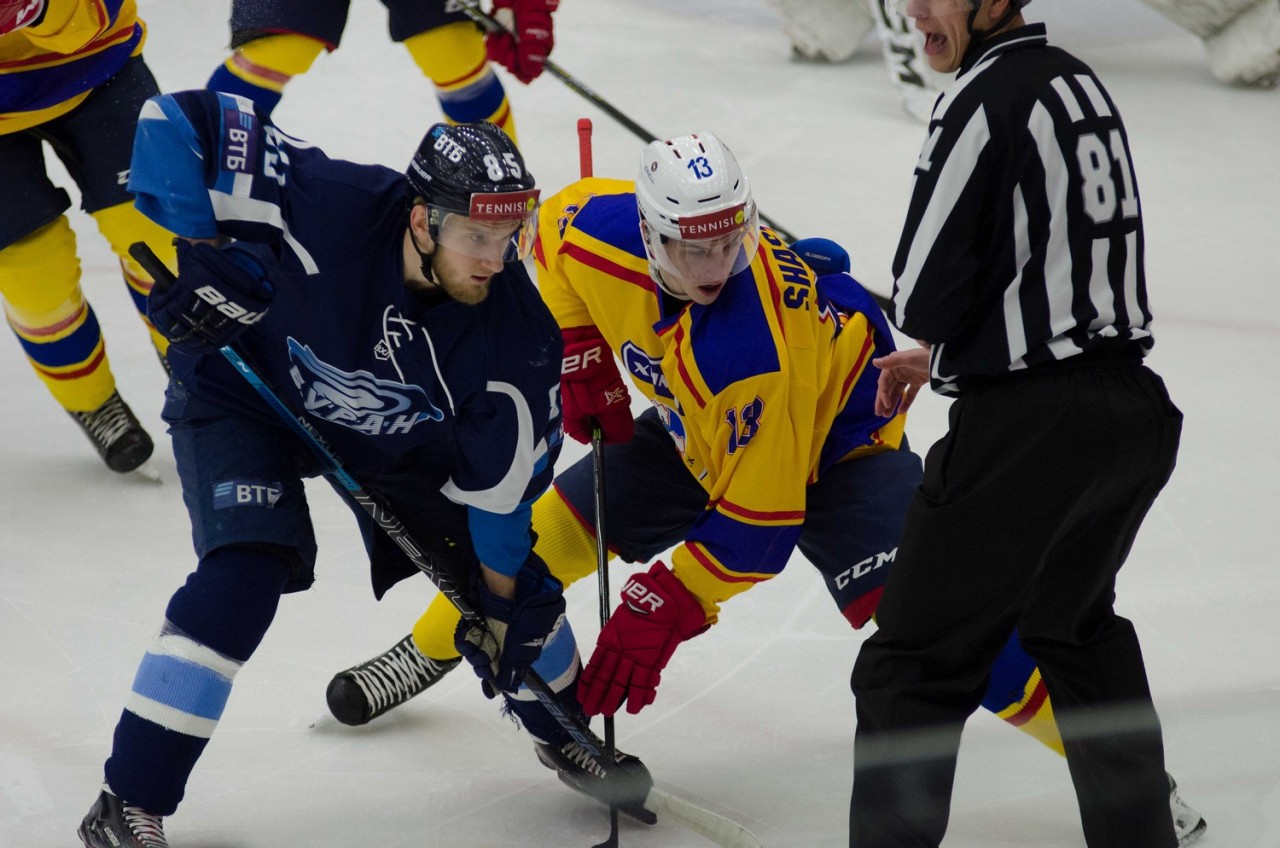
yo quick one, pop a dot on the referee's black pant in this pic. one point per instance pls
(1028, 508)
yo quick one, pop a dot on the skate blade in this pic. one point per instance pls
(148, 472)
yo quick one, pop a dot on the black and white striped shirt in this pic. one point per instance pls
(1023, 241)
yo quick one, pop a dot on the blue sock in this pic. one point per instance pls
(212, 625)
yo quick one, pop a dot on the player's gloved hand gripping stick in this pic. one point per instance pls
(717, 828)
(369, 501)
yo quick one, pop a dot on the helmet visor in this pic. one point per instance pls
(698, 259)
(931, 8)
(498, 226)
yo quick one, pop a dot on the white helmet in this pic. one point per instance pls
(699, 221)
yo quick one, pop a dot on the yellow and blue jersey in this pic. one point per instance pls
(49, 68)
(761, 391)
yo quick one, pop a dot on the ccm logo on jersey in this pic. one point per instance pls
(862, 569)
(638, 597)
(581, 361)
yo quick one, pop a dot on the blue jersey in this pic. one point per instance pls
(466, 396)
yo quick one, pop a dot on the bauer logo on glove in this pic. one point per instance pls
(640, 599)
(218, 294)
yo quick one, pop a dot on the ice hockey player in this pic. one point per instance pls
(75, 78)
(762, 437)
(389, 311)
(276, 40)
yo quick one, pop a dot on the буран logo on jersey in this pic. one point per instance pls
(358, 399)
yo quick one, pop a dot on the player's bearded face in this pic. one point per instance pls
(468, 255)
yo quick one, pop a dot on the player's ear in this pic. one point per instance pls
(421, 229)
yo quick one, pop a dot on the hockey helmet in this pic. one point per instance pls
(698, 218)
(16, 14)
(478, 193)
(932, 8)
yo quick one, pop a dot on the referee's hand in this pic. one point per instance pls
(902, 373)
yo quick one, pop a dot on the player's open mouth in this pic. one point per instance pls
(934, 42)
(711, 290)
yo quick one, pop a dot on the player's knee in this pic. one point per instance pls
(40, 274)
(449, 53)
(229, 601)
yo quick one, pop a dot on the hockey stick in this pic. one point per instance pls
(376, 508)
(682, 812)
(585, 169)
(720, 830)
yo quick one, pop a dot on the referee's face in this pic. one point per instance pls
(945, 24)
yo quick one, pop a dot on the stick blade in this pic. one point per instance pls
(720, 830)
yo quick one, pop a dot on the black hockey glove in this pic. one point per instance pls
(517, 628)
(219, 293)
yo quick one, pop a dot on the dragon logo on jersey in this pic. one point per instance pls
(358, 399)
(645, 369)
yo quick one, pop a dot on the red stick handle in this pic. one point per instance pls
(584, 147)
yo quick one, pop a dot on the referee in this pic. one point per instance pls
(1020, 270)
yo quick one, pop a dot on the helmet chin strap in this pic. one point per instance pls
(425, 259)
(977, 36)
(656, 273)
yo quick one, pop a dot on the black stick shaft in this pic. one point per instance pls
(376, 508)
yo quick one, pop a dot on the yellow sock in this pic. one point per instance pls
(123, 225)
(1033, 715)
(453, 58)
(568, 548)
(271, 61)
(58, 331)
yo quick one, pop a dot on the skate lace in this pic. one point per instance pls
(397, 675)
(582, 758)
(106, 423)
(147, 829)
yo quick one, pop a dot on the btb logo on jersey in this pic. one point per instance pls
(233, 493)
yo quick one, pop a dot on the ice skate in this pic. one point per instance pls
(362, 693)
(629, 782)
(117, 434)
(1188, 824)
(114, 823)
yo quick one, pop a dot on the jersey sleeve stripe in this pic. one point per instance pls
(760, 516)
(607, 266)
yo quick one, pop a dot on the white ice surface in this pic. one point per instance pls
(754, 720)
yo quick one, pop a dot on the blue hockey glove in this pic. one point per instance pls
(822, 255)
(219, 293)
(517, 629)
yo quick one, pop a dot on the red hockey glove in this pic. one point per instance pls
(656, 614)
(591, 387)
(525, 52)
